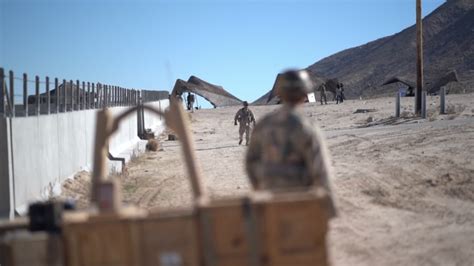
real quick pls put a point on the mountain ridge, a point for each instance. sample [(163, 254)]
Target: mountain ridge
[(448, 44)]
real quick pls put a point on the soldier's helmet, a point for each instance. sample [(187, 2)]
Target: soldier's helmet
[(294, 84), (245, 103)]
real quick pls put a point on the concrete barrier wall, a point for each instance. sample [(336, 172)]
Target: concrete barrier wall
[(151, 120), (47, 149)]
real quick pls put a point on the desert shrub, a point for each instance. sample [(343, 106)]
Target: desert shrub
[(152, 145)]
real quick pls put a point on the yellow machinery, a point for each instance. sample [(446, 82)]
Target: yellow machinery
[(277, 229)]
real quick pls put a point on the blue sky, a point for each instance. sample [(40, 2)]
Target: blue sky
[(241, 45)]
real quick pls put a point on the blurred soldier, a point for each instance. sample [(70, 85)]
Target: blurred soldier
[(323, 94), (286, 151), (341, 85), (339, 94), (190, 101), (245, 117)]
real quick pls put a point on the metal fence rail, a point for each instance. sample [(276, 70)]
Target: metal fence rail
[(49, 96)]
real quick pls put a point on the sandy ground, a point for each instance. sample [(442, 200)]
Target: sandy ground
[(404, 187)]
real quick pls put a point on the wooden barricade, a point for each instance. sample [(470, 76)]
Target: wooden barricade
[(169, 238), (265, 229), (22, 248), (101, 239), (162, 239)]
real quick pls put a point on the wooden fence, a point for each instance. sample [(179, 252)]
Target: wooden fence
[(47, 96)]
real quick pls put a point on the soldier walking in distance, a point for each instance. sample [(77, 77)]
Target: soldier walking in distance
[(286, 151), (190, 101), (323, 94), (245, 117), (339, 95)]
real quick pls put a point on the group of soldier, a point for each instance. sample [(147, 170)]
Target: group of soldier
[(338, 96), (285, 150)]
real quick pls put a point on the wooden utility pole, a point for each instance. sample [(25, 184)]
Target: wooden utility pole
[(419, 58)]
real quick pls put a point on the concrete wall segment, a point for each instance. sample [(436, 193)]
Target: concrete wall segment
[(47, 149)]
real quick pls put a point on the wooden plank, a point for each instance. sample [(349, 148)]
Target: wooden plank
[(42, 249), (100, 242), (295, 232), (169, 240)]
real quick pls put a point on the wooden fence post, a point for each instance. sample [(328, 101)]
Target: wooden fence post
[(83, 94), (98, 91), (2, 91), (110, 94), (64, 97), (88, 98), (93, 96), (58, 93), (113, 93), (102, 96), (12, 94), (25, 93), (106, 95), (123, 96), (71, 95), (77, 100), (117, 96), (120, 100), (48, 97), (37, 94), (127, 99)]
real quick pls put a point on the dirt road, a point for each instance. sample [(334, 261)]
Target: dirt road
[(404, 187)]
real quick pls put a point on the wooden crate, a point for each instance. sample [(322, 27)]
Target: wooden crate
[(267, 229), (229, 233), (22, 248), (98, 240), (294, 229), (169, 238)]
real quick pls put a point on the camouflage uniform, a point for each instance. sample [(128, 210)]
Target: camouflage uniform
[(338, 95), (323, 94), (287, 151), (244, 116)]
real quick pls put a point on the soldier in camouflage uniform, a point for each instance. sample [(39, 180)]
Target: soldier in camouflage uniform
[(323, 94), (286, 151), (245, 117)]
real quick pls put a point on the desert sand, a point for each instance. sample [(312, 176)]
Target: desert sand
[(404, 187)]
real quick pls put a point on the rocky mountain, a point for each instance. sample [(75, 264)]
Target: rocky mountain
[(448, 34)]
